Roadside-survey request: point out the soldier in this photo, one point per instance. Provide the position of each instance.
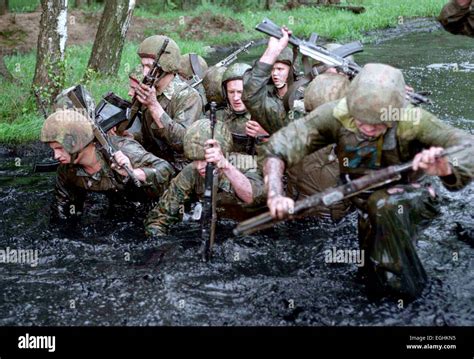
(320, 169)
(234, 186)
(246, 133)
(367, 138)
(192, 68)
(171, 105)
(266, 85)
(457, 17)
(83, 167)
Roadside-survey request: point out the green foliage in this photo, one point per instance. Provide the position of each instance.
(20, 121)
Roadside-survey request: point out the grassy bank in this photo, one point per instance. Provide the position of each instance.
(21, 122)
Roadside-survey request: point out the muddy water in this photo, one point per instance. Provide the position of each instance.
(106, 273)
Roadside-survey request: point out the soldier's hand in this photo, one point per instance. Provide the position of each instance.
(253, 129)
(213, 154)
(123, 161)
(147, 95)
(280, 44)
(427, 161)
(280, 207)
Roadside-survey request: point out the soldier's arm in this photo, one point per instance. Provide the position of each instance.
(188, 108)
(157, 172)
(166, 212)
(303, 136)
(68, 200)
(429, 131)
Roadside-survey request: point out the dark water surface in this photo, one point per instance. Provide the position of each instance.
(108, 274)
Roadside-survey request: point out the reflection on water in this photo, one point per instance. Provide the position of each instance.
(106, 273)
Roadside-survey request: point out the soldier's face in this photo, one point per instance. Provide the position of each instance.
(147, 64)
(60, 153)
(200, 166)
(371, 130)
(280, 73)
(235, 89)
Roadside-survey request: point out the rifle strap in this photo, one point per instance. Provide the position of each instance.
(196, 65)
(294, 92)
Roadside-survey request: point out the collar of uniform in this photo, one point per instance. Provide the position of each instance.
(341, 112)
(172, 87)
(81, 172)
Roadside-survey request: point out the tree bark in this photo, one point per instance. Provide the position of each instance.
(110, 37)
(78, 3)
(49, 73)
(3, 7)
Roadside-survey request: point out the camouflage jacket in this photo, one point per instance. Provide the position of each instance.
(182, 105)
(187, 186)
(73, 182)
(262, 100)
(331, 123)
(456, 19)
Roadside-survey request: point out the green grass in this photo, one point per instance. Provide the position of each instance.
(21, 122)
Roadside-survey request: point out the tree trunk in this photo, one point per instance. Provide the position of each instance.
(3, 7)
(108, 44)
(268, 4)
(49, 72)
(78, 3)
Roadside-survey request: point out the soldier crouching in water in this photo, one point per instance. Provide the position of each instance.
(367, 139)
(233, 185)
(85, 169)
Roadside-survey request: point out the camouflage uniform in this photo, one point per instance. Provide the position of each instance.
(188, 185)
(181, 103)
(73, 182)
(182, 106)
(456, 19)
(385, 232)
(261, 97)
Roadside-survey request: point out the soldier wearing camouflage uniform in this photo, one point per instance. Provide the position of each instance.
(369, 138)
(457, 17)
(83, 168)
(320, 169)
(234, 186)
(266, 85)
(246, 133)
(171, 105)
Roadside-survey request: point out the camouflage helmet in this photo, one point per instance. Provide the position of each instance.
(233, 72)
(325, 88)
(212, 83)
(286, 57)
(376, 89)
(69, 128)
(186, 68)
(169, 61)
(197, 135)
(63, 102)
